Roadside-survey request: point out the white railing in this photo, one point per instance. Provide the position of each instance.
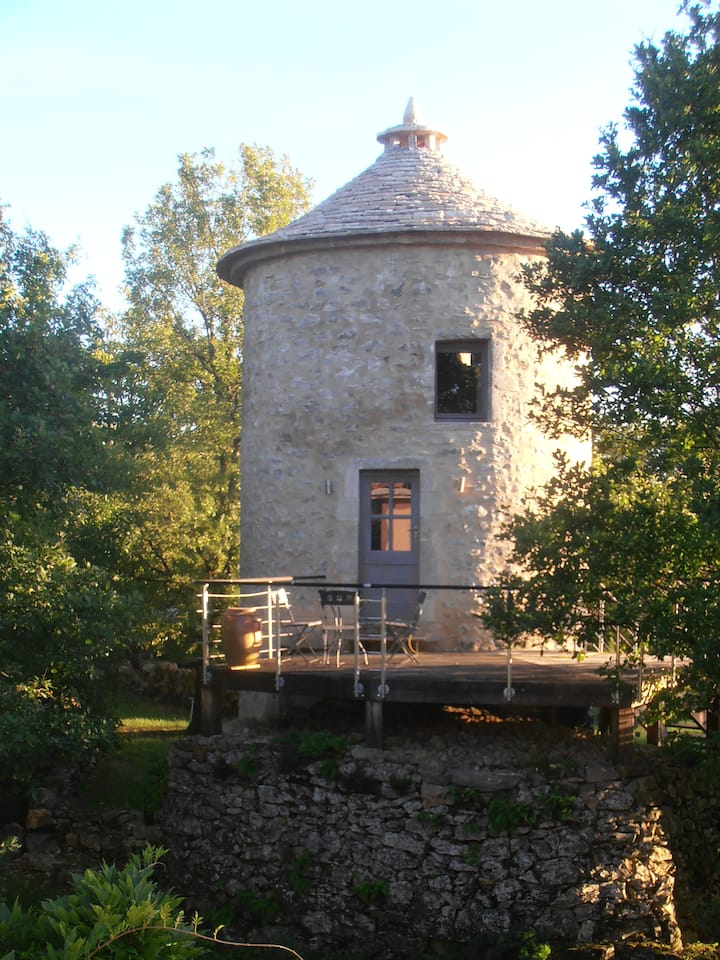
(262, 597)
(216, 596)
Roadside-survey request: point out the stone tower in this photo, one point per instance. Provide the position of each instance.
(388, 385)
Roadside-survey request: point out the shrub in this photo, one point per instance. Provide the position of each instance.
(115, 913)
(39, 729)
(558, 805)
(509, 815)
(299, 748)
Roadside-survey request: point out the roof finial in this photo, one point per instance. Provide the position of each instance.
(412, 114)
(412, 133)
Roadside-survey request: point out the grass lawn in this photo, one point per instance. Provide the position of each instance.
(134, 774)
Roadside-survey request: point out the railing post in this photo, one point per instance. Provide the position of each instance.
(356, 637)
(383, 644)
(273, 610)
(509, 692)
(205, 611)
(270, 613)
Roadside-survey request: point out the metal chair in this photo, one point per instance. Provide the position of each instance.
(401, 632)
(340, 612)
(295, 633)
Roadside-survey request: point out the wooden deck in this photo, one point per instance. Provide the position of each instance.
(550, 681)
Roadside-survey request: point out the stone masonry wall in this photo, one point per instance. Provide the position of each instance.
(434, 839)
(339, 376)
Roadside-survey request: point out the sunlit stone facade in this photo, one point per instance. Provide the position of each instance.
(345, 310)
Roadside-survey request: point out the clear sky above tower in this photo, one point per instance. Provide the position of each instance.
(99, 98)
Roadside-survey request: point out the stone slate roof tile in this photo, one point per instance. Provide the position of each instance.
(410, 189)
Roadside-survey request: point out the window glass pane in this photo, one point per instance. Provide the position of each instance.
(401, 533)
(378, 498)
(402, 492)
(390, 515)
(379, 535)
(461, 389)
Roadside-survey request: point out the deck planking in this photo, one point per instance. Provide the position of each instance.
(538, 679)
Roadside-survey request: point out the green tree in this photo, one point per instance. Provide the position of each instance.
(174, 401)
(47, 373)
(633, 542)
(61, 613)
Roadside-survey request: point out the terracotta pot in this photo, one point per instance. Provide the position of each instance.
(241, 634)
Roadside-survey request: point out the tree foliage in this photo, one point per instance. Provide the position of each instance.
(633, 541)
(119, 449)
(174, 390)
(62, 613)
(47, 371)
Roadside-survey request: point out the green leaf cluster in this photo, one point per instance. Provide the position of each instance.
(41, 728)
(110, 912)
(629, 547)
(508, 815)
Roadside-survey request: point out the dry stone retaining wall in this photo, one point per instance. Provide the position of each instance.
(386, 852)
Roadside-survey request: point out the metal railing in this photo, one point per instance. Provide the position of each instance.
(262, 597)
(216, 596)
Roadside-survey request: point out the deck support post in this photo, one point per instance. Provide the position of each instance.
(623, 723)
(653, 734)
(712, 717)
(374, 723)
(205, 712)
(210, 713)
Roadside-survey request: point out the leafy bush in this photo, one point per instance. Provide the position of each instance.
(298, 748)
(530, 949)
(40, 728)
(558, 805)
(61, 619)
(702, 753)
(509, 815)
(110, 912)
(59, 623)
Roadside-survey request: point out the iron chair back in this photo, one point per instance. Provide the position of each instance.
(402, 632)
(339, 620)
(295, 633)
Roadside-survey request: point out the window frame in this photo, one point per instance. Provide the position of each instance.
(478, 345)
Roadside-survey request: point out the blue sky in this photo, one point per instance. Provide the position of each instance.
(99, 98)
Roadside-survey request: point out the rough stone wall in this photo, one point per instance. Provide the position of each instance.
(390, 852)
(339, 371)
(691, 801)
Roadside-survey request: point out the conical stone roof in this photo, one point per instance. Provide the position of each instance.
(410, 191)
